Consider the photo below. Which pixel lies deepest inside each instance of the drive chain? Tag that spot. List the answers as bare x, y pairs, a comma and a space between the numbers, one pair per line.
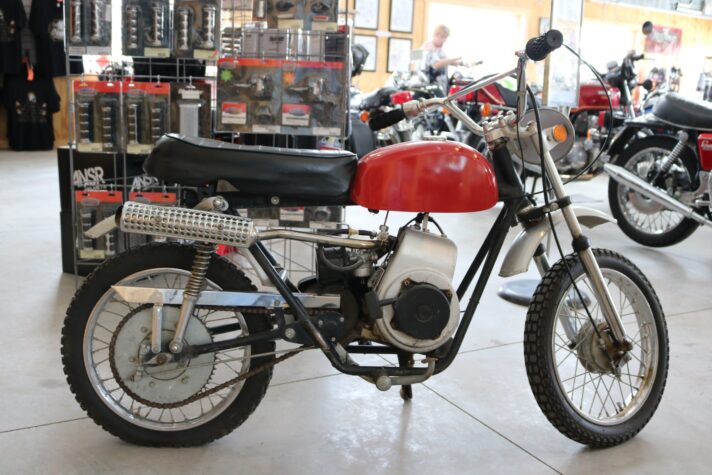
202, 394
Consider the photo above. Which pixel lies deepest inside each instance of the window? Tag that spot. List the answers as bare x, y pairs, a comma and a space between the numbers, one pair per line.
491, 36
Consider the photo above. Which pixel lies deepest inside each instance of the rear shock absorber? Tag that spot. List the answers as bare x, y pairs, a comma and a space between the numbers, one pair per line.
670, 159
208, 26
155, 35
132, 13
75, 24
98, 10
196, 281
183, 27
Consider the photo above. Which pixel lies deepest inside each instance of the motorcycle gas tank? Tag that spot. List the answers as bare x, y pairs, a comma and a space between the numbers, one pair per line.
591, 94
704, 146
425, 176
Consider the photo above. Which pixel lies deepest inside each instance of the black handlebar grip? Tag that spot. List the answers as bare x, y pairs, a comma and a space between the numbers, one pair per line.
539, 48
386, 119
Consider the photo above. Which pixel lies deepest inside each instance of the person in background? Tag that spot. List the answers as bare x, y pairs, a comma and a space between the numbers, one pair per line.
435, 62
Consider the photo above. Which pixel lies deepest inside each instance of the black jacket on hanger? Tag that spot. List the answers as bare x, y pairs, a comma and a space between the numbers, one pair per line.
47, 26
12, 20
30, 105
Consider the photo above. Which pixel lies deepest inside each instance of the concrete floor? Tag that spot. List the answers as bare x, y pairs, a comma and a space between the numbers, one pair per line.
477, 417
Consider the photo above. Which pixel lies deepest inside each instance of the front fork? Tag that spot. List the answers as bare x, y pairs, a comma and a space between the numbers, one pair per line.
583, 249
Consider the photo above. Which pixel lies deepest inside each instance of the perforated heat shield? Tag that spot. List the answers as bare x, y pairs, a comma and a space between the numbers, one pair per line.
187, 224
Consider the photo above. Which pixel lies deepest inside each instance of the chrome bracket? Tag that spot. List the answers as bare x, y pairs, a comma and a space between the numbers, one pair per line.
214, 298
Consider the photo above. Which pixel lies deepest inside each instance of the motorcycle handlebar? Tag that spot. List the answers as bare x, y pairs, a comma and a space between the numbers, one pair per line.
386, 119
538, 48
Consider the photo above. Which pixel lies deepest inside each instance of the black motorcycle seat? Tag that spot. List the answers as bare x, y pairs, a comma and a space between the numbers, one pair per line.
379, 97
509, 96
322, 176
684, 112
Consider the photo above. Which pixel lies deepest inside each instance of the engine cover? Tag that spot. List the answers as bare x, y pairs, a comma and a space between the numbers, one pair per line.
422, 311
418, 277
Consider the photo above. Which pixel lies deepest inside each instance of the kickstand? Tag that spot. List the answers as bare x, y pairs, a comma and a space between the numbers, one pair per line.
405, 360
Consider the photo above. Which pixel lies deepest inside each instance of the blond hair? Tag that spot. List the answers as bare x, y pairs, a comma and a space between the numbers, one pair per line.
443, 30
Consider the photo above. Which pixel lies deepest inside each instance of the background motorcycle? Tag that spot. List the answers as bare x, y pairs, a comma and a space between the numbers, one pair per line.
660, 181
170, 345
362, 106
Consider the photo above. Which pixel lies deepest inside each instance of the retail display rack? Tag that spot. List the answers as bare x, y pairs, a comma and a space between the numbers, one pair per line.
254, 72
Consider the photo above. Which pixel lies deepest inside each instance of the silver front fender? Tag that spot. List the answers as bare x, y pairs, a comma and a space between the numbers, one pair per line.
524, 246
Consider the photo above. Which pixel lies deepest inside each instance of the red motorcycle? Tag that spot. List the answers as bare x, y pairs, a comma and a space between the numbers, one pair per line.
171, 345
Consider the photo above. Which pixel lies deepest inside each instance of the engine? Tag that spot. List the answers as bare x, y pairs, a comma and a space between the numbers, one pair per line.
422, 309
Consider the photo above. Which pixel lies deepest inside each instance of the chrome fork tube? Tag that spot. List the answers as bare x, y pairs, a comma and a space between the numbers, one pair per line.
586, 255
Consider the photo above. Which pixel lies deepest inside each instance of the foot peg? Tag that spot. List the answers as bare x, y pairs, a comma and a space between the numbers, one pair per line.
384, 383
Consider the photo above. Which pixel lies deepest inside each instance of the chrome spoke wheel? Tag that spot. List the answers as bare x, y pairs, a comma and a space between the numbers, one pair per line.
589, 387
640, 211
118, 335
601, 389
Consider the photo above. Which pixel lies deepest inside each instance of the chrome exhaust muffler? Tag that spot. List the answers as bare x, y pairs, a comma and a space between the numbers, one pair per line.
631, 180
190, 224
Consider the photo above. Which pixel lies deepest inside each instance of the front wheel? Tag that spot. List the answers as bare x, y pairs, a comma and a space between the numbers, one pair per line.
588, 389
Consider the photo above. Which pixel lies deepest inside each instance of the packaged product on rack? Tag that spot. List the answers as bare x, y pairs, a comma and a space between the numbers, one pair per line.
92, 207
196, 29
145, 114
297, 14
313, 97
88, 29
262, 217
190, 109
249, 92
97, 106
322, 15
146, 28
311, 217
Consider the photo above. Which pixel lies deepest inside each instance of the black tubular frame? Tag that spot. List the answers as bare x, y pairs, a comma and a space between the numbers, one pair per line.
484, 259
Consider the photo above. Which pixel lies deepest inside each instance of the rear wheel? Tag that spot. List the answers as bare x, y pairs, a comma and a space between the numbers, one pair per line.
639, 217
181, 402
589, 391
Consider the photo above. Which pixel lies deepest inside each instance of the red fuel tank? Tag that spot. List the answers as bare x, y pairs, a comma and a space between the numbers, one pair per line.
425, 176
704, 146
592, 95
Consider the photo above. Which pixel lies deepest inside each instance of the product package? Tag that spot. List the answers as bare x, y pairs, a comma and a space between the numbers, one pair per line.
190, 109
313, 98
97, 108
249, 93
262, 217
265, 43
196, 29
297, 14
311, 217
146, 108
88, 28
92, 207
146, 28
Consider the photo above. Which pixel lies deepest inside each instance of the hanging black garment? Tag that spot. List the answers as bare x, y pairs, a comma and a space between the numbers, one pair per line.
47, 26
30, 105
12, 21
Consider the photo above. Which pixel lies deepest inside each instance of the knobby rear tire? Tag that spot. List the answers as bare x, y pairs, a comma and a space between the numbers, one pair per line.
154, 256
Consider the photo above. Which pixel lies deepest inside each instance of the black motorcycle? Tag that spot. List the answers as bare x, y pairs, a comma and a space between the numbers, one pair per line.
661, 180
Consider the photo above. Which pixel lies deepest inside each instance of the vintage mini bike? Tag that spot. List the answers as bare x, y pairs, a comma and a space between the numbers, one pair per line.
171, 345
